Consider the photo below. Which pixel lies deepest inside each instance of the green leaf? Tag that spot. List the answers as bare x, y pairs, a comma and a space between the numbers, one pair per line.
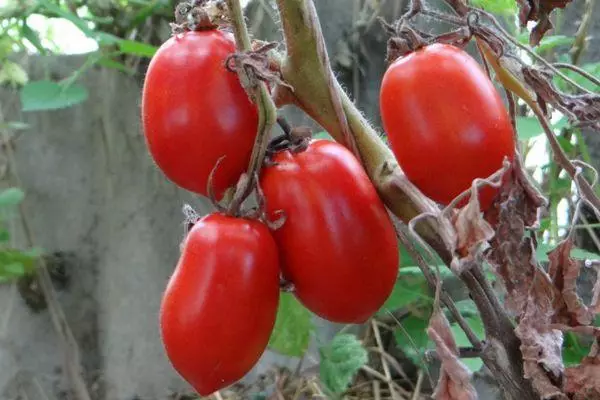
4, 235
16, 263
32, 37
340, 361
505, 7
578, 254
550, 42
412, 338
411, 287
528, 128
467, 308
323, 135
63, 13
11, 73
137, 48
11, 197
144, 13
110, 63
48, 95
291, 334
573, 351
592, 68
461, 339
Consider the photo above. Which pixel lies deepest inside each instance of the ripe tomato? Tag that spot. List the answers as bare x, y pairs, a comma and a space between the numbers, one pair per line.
195, 111
219, 307
445, 121
338, 245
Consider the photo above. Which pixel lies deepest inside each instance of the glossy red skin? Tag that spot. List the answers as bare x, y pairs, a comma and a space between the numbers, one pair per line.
338, 245
220, 305
446, 123
195, 111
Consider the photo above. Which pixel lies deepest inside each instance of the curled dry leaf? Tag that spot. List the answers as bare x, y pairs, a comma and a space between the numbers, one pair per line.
455, 378
582, 109
472, 234
563, 270
583, 380
512, 254
530, 291
541, 344
539, 11
255, 67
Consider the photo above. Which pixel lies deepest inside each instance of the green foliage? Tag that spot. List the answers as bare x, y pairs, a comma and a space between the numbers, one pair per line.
16, 263
292, 328
548, 43
48, 95
340, 361
576, 253
529, 127
11, 197
411, 288
591, 68
411, 337
573, 351
13, 263
137, 48
502, 7
461, 339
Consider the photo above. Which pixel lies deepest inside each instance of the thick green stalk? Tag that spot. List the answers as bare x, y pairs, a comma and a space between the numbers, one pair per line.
307, 70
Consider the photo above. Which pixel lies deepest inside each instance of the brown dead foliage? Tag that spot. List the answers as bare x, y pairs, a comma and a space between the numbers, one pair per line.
539, 11
455, 378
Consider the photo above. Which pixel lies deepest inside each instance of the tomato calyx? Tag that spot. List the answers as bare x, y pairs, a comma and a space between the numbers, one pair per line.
233, 197
294, 139
256, 67
199, 15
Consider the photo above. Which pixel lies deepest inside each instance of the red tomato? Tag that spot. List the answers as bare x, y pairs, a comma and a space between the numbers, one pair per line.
195, 111
338, 245
445, 121
219, 307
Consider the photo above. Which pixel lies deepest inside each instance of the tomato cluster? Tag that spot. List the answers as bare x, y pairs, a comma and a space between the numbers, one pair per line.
337, 246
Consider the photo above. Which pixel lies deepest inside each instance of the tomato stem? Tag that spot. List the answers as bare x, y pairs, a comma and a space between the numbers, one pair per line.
267, 112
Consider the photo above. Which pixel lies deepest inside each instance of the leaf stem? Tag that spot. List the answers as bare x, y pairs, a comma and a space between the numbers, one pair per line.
267, 112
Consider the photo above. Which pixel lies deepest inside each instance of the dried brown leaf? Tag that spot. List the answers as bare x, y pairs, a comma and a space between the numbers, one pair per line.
582, 109
512, 254
541, 345
539, 11
563, 270
583, 380
472, 233
455, 378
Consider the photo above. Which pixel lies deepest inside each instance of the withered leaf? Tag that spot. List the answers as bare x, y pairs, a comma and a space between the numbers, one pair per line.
581, 109
455, 378
563, 270
583, 380
541, 345
512, 254
538, 10
472, 233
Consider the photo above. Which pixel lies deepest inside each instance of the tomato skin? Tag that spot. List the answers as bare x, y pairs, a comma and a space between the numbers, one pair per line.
338, 245
194, 112
220, 305
446, 123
